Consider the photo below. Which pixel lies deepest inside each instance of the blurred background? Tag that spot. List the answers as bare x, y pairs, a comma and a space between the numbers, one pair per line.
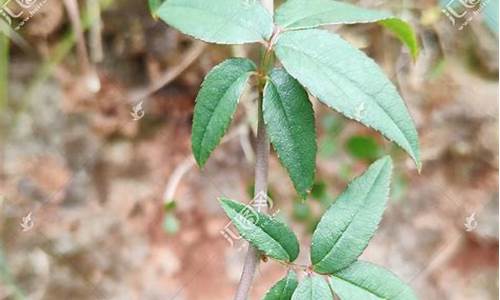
100, 197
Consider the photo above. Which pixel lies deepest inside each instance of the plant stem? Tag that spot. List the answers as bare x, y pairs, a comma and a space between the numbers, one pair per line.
261, 171
81, 49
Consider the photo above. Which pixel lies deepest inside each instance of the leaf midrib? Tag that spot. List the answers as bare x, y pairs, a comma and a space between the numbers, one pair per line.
360, 287
289, 134
293, 24
372, 186
205, 128
263, 230
211, 13
369, 95
287, 281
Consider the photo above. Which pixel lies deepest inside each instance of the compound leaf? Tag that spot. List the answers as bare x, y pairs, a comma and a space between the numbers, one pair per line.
219, 21
283, 289
351, 221
363, 280
313, 287
289, 119
272, 237
306, 14
345, 79
216, 103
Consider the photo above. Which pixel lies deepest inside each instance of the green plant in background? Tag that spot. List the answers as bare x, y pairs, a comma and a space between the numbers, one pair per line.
4, 67
327, 67
363, 147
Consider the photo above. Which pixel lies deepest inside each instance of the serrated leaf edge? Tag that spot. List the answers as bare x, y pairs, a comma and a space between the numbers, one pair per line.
225, 206
414, 153
384, 161
303, 194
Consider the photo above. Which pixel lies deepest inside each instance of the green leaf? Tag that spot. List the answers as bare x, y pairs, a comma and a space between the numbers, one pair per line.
289, 119
363, 147
154, 5
319, 190
216, 103
219, 21
313, 287
306, 14
348, 225
490, 15
301, 210
267, 234
284, 288
363, 280
345, 79
404, 32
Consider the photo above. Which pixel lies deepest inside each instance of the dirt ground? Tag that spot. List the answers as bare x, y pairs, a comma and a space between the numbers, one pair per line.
86, 190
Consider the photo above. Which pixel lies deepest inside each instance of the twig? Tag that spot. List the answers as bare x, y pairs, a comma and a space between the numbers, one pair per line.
261, 173
89, 74
81, 50
189, 162
175, 179
191, 56
95, 33
15, 37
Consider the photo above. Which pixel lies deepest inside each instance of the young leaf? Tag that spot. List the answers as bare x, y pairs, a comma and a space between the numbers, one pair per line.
313, 287
267, 234
219, 21
216, 103
306, 14
348, 225
348, 81
289, 119
363, 280
404, 32
283, 289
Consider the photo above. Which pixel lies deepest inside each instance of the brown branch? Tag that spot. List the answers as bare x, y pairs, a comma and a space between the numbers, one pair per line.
81, 49
261, 174
191, 56
90, 77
